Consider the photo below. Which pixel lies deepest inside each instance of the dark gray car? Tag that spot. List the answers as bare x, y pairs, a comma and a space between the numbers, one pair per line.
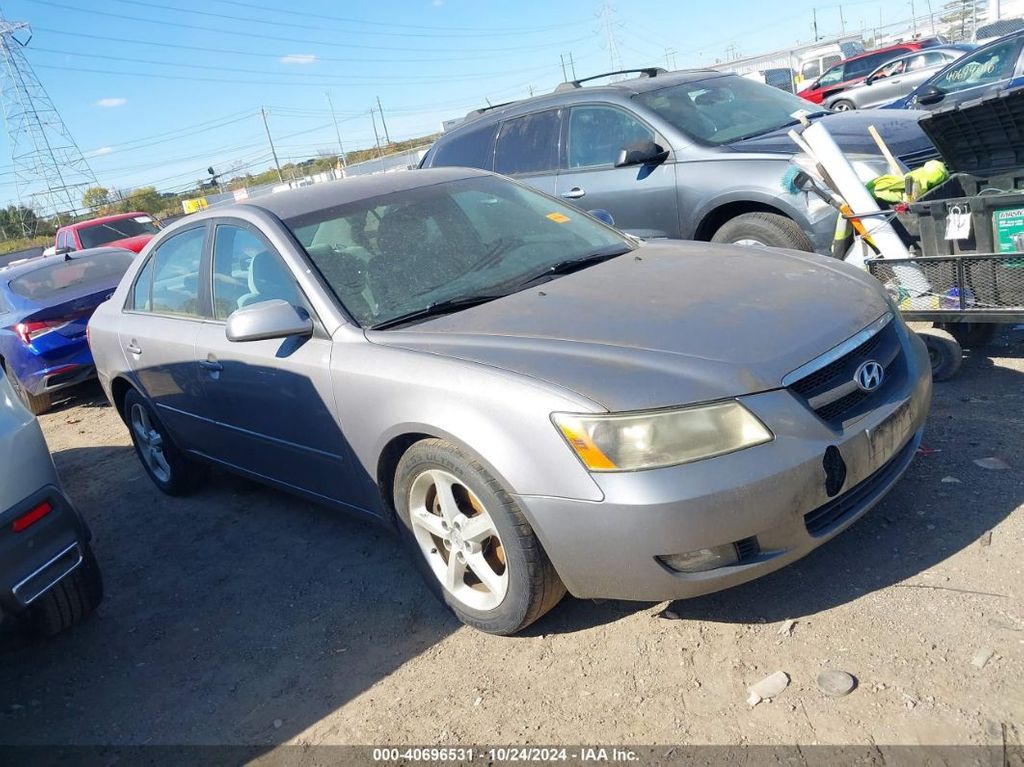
533, 400
707, 154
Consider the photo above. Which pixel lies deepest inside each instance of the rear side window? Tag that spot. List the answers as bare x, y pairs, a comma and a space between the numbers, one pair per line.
528, 144
99, 269
175, 263
472, 149
141, 299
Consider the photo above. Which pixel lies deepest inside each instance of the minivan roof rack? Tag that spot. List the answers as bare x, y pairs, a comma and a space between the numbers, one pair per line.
645, 72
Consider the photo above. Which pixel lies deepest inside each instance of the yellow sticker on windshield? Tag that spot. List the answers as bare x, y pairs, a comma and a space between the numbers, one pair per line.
558, 218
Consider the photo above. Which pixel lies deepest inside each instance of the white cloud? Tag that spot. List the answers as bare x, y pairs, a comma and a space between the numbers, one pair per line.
112, 102
99, 152
298, 58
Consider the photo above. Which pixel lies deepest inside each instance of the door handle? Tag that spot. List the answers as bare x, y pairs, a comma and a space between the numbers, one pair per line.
212, 365
574, 194
133, 347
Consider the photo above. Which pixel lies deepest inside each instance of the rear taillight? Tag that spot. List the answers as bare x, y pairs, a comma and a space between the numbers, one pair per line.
28, 331
30, 518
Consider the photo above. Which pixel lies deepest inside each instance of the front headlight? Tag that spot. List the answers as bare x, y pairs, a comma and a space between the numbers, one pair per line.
652, 439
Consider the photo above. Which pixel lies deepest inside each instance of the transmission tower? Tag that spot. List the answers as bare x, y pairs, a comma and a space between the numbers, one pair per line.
608, 23
50, 172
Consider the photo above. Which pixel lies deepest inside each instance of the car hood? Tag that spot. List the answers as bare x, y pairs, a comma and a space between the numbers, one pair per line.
136, 243
670, 323
850, 131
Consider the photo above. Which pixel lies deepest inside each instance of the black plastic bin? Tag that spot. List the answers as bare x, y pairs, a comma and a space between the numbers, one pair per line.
982, 144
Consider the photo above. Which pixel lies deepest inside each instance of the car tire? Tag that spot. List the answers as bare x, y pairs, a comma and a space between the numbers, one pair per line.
69, 602
843, 105
767, 229
972, 335
36, 403
944, 353
519, 584
173, 472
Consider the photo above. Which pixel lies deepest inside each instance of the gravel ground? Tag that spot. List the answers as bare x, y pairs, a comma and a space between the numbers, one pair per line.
243, 616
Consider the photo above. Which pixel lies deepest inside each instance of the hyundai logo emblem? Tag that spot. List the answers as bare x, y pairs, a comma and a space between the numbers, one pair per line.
869, 376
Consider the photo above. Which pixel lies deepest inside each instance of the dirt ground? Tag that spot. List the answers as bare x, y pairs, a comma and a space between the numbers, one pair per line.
242, 616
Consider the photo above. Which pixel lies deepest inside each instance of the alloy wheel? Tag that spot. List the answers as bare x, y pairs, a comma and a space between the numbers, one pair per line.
458, 537
150, 442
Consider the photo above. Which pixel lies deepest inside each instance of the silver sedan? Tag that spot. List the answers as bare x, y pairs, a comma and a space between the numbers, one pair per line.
535, 402
896, 78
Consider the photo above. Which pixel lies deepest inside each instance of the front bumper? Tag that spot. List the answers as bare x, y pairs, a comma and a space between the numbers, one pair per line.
773, 493
35, 559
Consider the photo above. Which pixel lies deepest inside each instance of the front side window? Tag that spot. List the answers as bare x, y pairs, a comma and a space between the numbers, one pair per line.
981, 68
833, 76
246, 271
598, 134
888, 70
100, 234
724, 109
175, 289
528, 144
404, 252
472, 149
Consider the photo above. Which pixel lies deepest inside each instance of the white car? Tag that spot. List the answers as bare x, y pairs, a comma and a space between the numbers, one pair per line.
49, 579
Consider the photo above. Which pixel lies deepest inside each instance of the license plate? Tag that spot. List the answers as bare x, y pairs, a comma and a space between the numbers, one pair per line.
889, 436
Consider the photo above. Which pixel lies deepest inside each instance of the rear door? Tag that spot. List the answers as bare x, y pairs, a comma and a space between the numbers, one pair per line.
158, 331
527, 148
641, 199
272, 400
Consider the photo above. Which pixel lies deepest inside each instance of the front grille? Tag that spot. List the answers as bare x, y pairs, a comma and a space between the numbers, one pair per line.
831, 392
826, 517
917, 159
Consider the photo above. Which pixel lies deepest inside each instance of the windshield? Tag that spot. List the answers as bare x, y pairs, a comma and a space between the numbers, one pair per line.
59, 275
724, 109
389, 256
100, 234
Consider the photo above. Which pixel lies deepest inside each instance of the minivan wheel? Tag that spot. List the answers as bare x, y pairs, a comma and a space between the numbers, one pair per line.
471, 541
170, 469
768, 229
37, 404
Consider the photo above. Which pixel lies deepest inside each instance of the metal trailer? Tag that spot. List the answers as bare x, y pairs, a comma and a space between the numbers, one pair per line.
967, 298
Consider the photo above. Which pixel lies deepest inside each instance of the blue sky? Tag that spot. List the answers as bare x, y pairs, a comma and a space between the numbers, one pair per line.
154, 91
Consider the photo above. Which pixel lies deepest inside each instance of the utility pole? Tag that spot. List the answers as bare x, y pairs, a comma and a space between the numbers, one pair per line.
814, 23
280, 176
337, 131
842, 22
572, 66
376, 138
931, 16
913, 17
565, 77
380, 109
670, 58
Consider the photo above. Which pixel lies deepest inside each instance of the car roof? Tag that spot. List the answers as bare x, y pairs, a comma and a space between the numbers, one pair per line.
13, 271
105, 219
331, 194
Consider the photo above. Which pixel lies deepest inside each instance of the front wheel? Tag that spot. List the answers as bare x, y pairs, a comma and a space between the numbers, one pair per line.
764, 229
843, 105
471, 541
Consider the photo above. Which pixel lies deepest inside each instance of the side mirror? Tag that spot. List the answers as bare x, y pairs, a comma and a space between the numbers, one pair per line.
268, 319
931, 95
871, 79
641, 153
62, 251
603, 216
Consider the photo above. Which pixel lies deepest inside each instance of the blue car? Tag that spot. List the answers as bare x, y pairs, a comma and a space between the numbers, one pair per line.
45, 305
994, 67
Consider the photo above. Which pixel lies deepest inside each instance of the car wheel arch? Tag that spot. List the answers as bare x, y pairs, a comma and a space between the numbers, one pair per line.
119, 388
719, 215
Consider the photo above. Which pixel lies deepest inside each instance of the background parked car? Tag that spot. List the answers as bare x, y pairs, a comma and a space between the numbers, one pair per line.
853, 71
897, 78
516, 388
688, 155
124, 230
49, 579
45, 305
986, 70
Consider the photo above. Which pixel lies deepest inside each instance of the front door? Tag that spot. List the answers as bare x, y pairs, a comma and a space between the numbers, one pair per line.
641, 199
273, 399
163, 316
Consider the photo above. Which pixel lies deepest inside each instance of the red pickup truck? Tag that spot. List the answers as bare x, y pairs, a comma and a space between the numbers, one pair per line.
123, 230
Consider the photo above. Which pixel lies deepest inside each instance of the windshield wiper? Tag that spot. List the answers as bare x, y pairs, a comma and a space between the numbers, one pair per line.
570, 265
437, 308
790, 124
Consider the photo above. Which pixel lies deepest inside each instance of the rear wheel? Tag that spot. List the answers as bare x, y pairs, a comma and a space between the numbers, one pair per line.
944, 353
36, 403
843, 105
171, 470
471, 541
69, 602
765, 229
972, 335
